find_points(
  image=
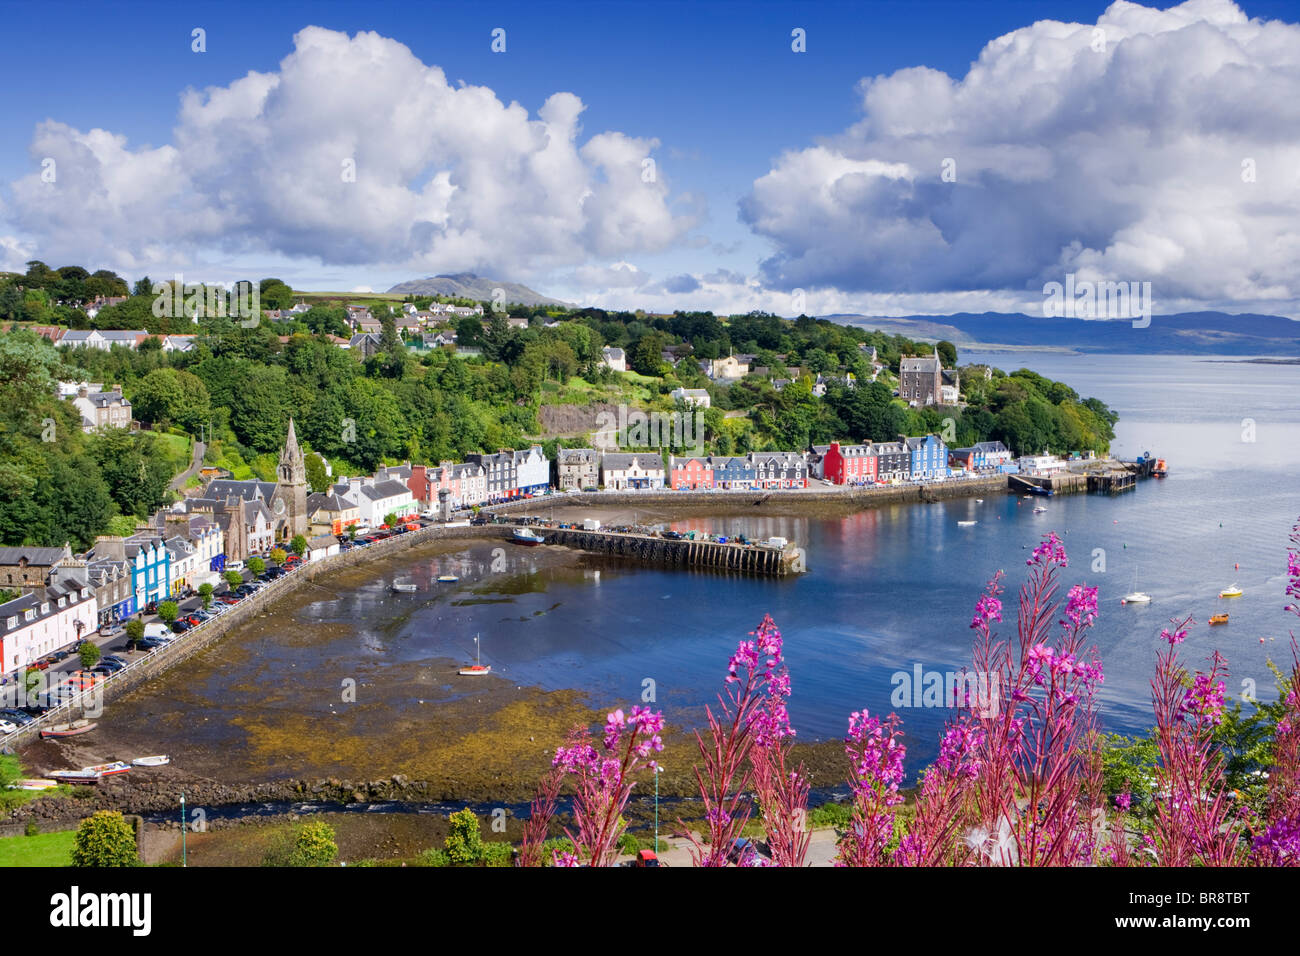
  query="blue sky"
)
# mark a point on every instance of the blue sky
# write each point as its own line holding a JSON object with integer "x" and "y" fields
{"x": 716, "y": 85}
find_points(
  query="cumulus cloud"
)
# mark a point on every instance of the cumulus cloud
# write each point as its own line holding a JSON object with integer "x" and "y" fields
{"x": 1154, "y": 145}
{"x": 352, "y": 152}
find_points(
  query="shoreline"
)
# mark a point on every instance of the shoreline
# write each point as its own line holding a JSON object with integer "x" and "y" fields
{"x": 490, "y": 758}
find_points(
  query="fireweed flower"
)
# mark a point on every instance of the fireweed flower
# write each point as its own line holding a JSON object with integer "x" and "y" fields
{"x": 1081, "y": 608}
{"x": 1050, "y": 552}
{"x": 1123, "y": 801}
{"x": 1203, "y": 702}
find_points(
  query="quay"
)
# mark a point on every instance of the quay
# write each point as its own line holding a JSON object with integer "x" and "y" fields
{"x": 748, "y": 558}
{"x": 1105, "y": 475}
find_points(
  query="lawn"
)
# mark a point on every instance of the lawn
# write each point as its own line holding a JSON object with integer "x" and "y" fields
{"x": 43, "y": 849}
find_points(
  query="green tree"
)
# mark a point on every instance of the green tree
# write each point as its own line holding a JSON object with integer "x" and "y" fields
{"x": 168, "y": 611}
{"x": 103, "y": 840}
{"x": 464, "y": 843}
{"x": 317, "y": 478}
{"x": 256, "y": 565}
{"x": 947, "y": 353}
{"x": 89, "y": 654}
{"x": 134, "y": 631}
{"x": 279, "y": 556}
{"x": 298, "y": 545}
{"x": 234, "y": 578}
{"x": 205, "y": 592}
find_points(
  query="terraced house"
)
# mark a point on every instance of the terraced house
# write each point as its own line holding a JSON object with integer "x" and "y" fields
{"x": 148, "y": 559}
{"x": 38, "y": 624}
{"x": 691, "y": 474}
{"x": 635, "y": 471}
{"x": 779, "y": 469}
{"x": 577, "y": 468}
{"x": 846, "y": 464}
{"x": 929, "y": 456}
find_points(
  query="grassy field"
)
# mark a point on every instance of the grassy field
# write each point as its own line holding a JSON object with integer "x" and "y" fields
{"x": 43, "y": 849}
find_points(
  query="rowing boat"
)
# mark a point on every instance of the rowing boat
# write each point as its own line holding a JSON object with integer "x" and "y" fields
{"x": 71, "y": 729}
{"x": 157, "y": 761}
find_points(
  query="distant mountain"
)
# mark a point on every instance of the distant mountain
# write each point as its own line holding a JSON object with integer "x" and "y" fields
{"x": 467, "y": 285}
{"x": 1190, "y": 333}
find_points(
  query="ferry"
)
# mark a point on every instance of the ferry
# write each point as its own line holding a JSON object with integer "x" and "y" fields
{"x": 527, "y": 536}
{"x": 1231, "y": 591}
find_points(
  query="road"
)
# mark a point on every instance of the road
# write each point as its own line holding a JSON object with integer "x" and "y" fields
{"x": 178, "y": 483}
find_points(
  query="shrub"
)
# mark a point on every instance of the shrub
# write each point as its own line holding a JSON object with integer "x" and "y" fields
{"x": 234, "y": 578}
{"x": 168, "y": 611}
{"x": 464, "y": 844}
{"x": 497, "y": 854}
{"x": 105, "y": 839}
{"x": 205, "y": 592}
{"x": 32, "y": 828}
{"x": 256, "y": 565}
{"x": 435, "y": 857}
{"x": 312, "y": 844}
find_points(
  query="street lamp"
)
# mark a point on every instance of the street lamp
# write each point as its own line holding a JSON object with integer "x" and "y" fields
{"x": 658, "y": 770}
{"x": 184, "y": 827}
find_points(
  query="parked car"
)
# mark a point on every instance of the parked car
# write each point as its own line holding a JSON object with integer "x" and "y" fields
{"x": 180, "y": 627}
{"x": 34, "y": 710}
{"x": 114, "y": 659}
{"x": 7, "y": 727}
{"x": 41, "y": 665}
{"x": 149, "y": 644}
{"x": 16, "y": 716}
{"x": 109, "y": 664}
{"x": 646, "y": 858}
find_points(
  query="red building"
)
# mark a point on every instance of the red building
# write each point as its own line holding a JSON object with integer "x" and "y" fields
{"x": 849, "y": 464}
{"x": 690, "y": 473}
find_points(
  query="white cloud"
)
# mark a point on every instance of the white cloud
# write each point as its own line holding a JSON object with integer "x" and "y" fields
{"x": 353, "y": 153}
{"x": 1114, "y": 151}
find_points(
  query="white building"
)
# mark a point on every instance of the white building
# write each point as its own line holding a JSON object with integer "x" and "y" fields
{"x": 613, "y": 358}
{"x": 635, "y": 471}
{"x": 698, "y": 397}
{"x": 376, "y": 499}
{"x": 35, "y": 625}
{"x": 532, "y": 471}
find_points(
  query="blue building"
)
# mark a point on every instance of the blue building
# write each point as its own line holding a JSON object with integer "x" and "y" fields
{"x": 149, "y": 563}
{"x": 734, "y": 472}
{"x": 929, "y": 456}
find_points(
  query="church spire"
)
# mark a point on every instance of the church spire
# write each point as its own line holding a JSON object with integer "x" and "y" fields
{"x": 291, "y": 443}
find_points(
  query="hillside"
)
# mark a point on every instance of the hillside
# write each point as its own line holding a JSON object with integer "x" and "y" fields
{"x": 1191, "y": 333}
{"x": 467, "y": 285}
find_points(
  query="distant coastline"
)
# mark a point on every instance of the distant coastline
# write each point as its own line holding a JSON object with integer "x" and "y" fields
{"x": 1256, "y": 361}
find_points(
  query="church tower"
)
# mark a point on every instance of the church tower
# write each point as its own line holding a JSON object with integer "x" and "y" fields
{"x": 290, "y": 500}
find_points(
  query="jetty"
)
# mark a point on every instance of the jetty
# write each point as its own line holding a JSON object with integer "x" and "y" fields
{"x": 747, "y": 558}
{"x": 1106, "y": 475}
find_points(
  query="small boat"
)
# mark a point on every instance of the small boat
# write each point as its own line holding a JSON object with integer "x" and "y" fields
{"x": 1136, "y": 597}
{"x": 1231, "y": 591}
{"x": 157, "y": 761}
{"x": 979, "y": 501}
{"x": 1039, "y": 510}
{"x": 35, "y": 784}
{"x": 447, "y": 579}
{"x": 71, "y": 729}
{"x": 403, "y": 588}
{"x": 76, "y": 776}
{"x": 1218, "y": 619}
{"x": 966, "y": 524}
{"x": 1045, "y": 492}
{"x": 478, "y": 668}
{"x": 108, "y": 769}
{"x": 527, "y": 536}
